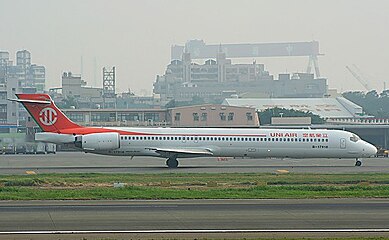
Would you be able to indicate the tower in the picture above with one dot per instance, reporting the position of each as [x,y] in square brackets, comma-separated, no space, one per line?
[109,80]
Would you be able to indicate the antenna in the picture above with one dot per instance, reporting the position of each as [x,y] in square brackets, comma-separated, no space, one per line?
[82,67]
[95,71]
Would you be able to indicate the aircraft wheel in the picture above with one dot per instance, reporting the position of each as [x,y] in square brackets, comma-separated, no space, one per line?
[172,163]
[358,163]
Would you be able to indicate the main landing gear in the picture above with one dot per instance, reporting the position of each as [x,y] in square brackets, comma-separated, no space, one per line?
[172,162]
[358,163]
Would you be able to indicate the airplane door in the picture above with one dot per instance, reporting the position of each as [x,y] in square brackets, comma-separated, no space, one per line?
[342,143]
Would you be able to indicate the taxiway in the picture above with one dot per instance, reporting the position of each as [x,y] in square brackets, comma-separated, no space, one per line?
[71,162]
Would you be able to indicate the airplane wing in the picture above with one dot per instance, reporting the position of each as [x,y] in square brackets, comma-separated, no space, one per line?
[182,152]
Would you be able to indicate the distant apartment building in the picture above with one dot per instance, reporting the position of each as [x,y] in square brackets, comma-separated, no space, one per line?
[22,77]
[28,75]
[218,78]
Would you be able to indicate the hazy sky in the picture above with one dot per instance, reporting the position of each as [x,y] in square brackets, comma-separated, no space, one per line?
[135,36]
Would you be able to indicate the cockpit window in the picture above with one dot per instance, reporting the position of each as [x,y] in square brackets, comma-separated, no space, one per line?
[354,138]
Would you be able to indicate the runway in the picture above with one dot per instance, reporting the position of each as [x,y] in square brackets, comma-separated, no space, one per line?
[64,162]
[184,215]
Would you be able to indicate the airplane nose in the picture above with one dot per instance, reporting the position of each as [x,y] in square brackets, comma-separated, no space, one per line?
[371,150]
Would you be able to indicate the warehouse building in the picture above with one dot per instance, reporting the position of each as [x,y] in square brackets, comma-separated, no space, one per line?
[189,116]
[327,108]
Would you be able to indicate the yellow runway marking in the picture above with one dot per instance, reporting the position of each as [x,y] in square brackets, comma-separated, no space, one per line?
[30,172]
[282,171]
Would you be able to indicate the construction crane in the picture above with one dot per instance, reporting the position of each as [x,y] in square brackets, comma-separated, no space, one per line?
[361,79]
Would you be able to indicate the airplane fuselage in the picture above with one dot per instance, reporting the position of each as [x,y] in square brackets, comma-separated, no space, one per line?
[256,143]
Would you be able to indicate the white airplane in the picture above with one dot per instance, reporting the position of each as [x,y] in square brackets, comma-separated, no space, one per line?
[173,143]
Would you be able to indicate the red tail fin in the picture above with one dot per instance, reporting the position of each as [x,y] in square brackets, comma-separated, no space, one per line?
[45,113]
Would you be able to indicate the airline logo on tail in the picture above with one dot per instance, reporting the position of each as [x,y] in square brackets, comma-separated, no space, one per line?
[48,116]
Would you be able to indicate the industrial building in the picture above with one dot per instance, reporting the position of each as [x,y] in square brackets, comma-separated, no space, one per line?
[22,77]
[74,93]
[217,77]
[75,90]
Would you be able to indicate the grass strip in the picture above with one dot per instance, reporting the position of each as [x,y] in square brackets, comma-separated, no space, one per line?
[197,178]
[266,192]
[193,186]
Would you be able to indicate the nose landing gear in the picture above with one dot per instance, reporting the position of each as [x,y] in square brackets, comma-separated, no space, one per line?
[358,163]
[172,162]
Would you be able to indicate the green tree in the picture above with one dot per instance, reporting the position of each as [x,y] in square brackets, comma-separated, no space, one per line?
[373,104]
[68,102]
[265,116]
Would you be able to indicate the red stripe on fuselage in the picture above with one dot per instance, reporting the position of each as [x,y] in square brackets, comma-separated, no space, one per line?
[87,130]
